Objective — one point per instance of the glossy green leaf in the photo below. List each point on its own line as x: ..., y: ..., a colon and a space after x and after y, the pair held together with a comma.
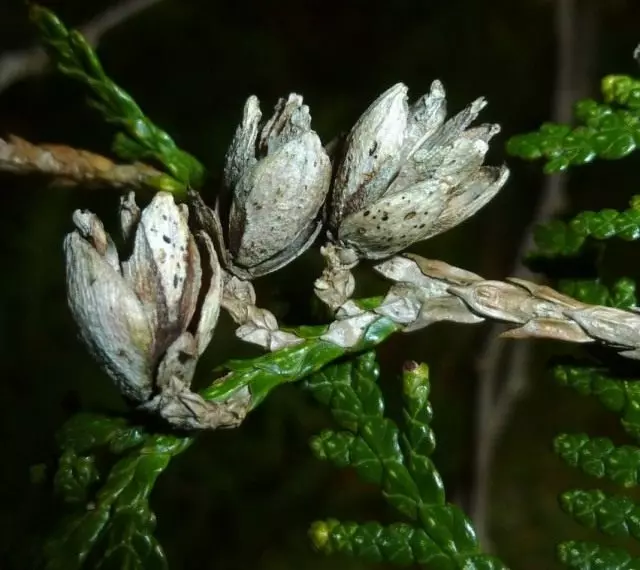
x: 346, y: 450
x: 418, y: 440
x: 113, y: 527
x: 417, y: 408
x: 599, y: 457
x: 264, y: 373
x: 400, y: 544
x: 608, y: 223
x: 79, y: 438
x: 74, y: 476
x: 86, y: 431
x: 558, y: 238
x: 442, y: 536
x: 592, y: 556
x: 131, y: 479
x: 397, y: 543
x: 607, y: 133
x: 621, y: 295
x: 130, y: 543
x: 350, y: 390
x: 621, y: 90
x: 612, y: 515
x: 291, y: 364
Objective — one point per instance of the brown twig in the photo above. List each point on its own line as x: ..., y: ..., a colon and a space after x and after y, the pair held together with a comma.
x: 66, y: 166
x: 18, y: 65
x: 427, y: 291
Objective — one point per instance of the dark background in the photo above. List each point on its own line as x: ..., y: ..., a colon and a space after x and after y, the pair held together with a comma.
x: 245, y: 499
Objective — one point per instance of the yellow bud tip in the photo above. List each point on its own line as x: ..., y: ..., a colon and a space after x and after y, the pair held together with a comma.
x: 319, y: 534
x: 613, y: 84
x: 165, y: 183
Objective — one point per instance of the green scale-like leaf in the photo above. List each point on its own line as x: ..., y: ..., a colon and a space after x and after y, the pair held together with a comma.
x: 418, y: 440
x: 116, y: 504
x: 79, y: 438
x: 264, y: 373
x: 621, y: 396
x: 592, y: 556
x: 558, y: 238
x: 350, y: 390
x: 621, y: 295
x: 113, y: 526
x: 398, y: 461
x: 613, y: 515
x: 397, y: 543
x: 599, y: 457
x: 346, y: 450
x: 622, y: 90
x: 607, y: 132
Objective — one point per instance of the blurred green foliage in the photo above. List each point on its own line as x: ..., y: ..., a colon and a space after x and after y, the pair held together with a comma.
x: 139, y: 139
